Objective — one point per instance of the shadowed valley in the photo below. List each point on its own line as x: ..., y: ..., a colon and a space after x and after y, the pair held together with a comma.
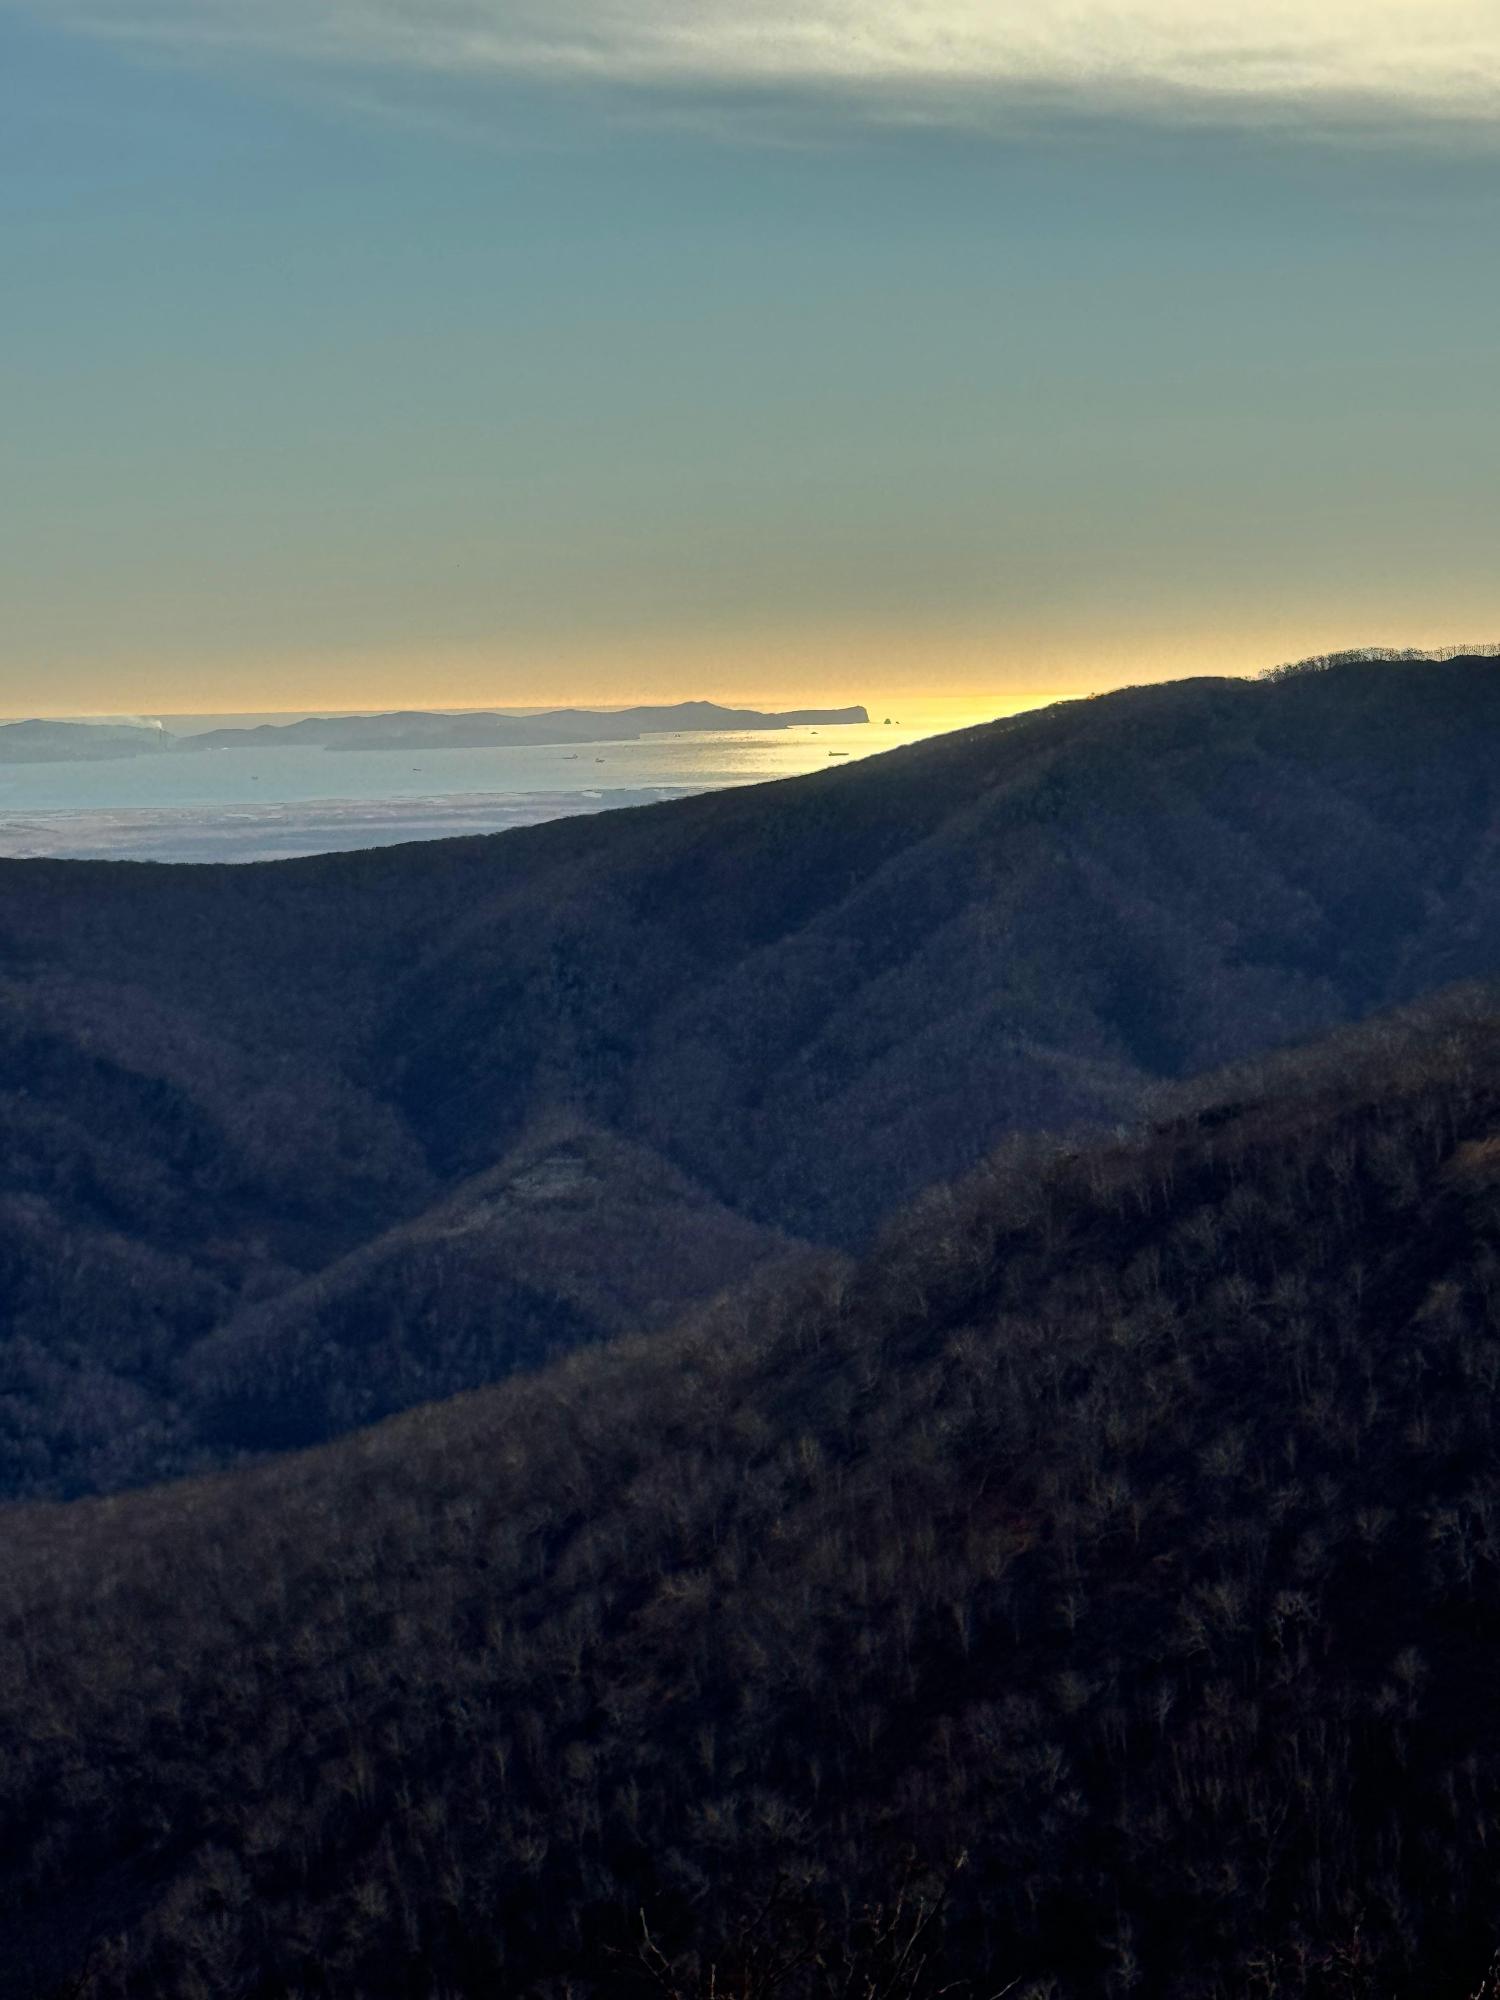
x: 236, y: 1099
x: 1106, y: 1571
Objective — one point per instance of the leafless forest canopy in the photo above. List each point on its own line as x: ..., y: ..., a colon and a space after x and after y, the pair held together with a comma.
x: 946, y: 1321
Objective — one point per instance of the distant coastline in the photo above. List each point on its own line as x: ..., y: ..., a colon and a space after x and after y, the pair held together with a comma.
x: 39, y: 741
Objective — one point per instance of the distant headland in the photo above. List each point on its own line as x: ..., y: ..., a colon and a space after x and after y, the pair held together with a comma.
x: 44, y: 742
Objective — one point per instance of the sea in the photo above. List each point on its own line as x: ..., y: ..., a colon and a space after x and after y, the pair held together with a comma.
x: 276, y: 802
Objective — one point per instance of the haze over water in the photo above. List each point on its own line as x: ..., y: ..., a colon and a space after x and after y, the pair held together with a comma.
x: 261, y: 803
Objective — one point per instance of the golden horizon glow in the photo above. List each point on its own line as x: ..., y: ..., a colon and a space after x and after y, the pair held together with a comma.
x: 857, y: 396
x: 925, y: 672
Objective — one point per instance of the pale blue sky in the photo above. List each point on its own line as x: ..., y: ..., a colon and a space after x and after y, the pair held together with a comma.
x: 399, y: 358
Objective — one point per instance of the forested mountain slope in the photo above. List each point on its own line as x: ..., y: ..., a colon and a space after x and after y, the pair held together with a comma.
x: 810, y: 998
x: 1126, y: 1523
x: 574, y: 1237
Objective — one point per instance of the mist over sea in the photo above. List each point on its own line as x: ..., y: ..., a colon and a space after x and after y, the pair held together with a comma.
x: 269, y: 802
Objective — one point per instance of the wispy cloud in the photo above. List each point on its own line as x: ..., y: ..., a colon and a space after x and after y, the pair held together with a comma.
x: 1427, y: 58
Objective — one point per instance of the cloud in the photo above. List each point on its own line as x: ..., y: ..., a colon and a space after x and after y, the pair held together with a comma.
x: 1429, y: 58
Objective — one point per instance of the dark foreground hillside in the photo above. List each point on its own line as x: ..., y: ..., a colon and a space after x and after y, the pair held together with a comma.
x: 808, y: 1000
x: 1125, y: 1529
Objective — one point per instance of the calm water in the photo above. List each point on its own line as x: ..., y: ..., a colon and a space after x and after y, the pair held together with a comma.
x: 245, y: 805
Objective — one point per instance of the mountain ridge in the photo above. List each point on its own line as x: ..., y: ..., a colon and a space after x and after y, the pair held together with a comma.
x: 417, y: 729
x: 1121, y: 1528
x: 810, y: 998
x: 40, y: 741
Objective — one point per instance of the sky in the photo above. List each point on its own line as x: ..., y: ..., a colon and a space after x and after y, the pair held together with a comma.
x: 456, y: 352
